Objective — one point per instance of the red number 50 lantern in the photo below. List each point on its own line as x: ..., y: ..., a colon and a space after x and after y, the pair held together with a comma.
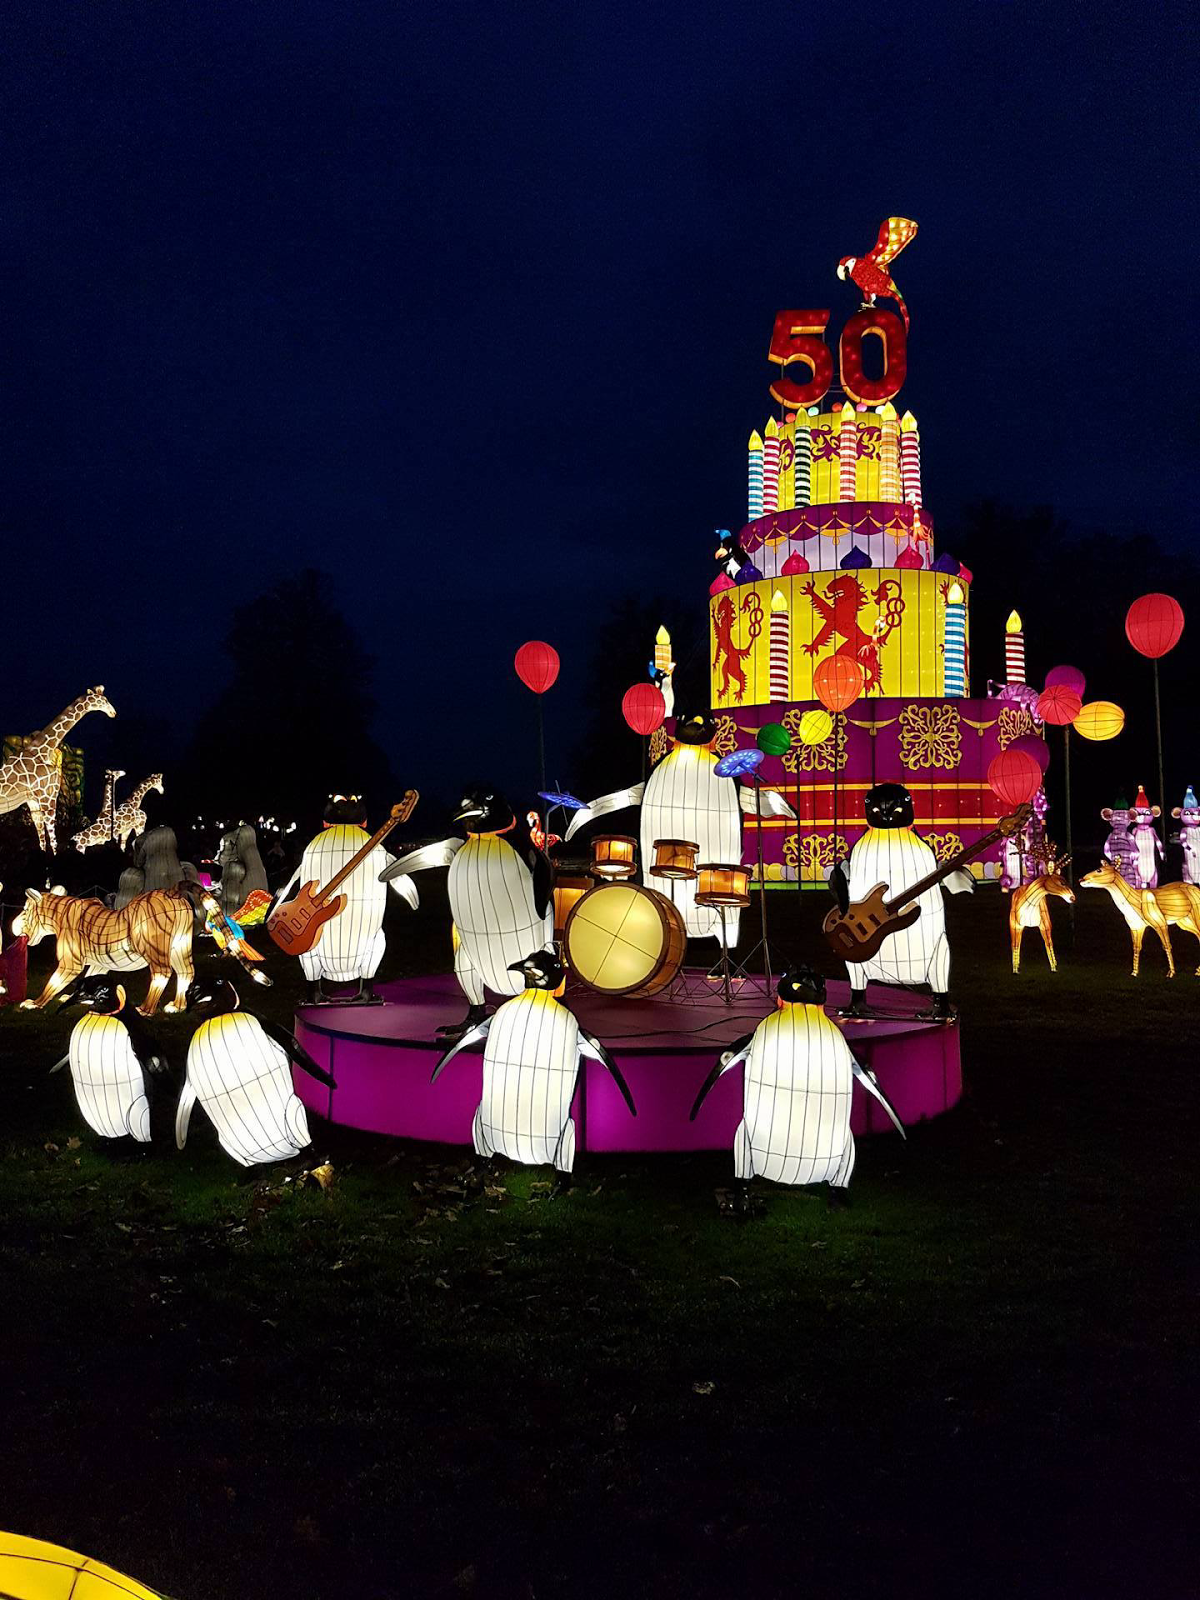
x: 887, y: 327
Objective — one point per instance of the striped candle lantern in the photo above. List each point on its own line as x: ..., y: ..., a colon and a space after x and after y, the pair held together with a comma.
x: 1014, y: 649
x: 771, y: 467
x: 803, y: 491
x: 787, y: 463
x: 847, y: 452
x: 956, y: 642
x: 910, y: 459
x: 889, y: 454
x: 755, y: 470
x: 780, y: 642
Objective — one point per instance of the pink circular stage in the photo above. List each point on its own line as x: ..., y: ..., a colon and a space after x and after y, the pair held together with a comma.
x: 382, y: 1057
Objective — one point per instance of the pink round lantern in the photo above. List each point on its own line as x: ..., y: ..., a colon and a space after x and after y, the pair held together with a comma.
x: 1014, y: 777
x: 1029, y: 744
x: 1070, y: 676
x: 1059, y: 705
x: 1153, y: 624
x: 537, y: 665
x: 644, y: 708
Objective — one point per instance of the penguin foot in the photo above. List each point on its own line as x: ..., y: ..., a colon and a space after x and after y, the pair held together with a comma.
x: 455, y: 1030
x: 312, y: 992
x: 940, y: 1011
x: 837, y: 1199
x: 563, y: 1183
x: 858, y: 1009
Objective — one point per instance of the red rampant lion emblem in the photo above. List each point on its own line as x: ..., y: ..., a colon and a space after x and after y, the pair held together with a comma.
x: 839, y: 609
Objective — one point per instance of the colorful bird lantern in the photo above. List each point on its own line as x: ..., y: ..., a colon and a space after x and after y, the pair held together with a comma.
x: 644, y: 708
x: 1070, y: 677
x: 1153, y: 624
x: 1100, y: 720
x: 815, y: 727
x: 774, y: 739
x: 537, y: 665
x: 1014, y: 777
x: 1058, y: 705
x: 838, y: 682
x: 1033, y: 746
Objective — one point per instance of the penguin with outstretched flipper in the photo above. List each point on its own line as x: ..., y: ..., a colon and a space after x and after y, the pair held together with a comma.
x: 239, y: 1069
x: 110, y: 1054
x: 533, y: 1054
x: 500, y: 898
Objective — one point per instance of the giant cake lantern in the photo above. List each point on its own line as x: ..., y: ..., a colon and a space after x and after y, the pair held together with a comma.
x: 838, y: 567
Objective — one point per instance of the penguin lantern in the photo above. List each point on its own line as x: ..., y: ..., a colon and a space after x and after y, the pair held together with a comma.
x: 499, y: 898
x: 352, y: 943
x: 239, y: 1069
x: 683, y: 798
x: 109, y: 1055
x: 799, y: 1081
x: 532, y: 1059
x: 889, y: 852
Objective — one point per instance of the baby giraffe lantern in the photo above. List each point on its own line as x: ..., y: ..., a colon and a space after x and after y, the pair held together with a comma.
x: 1030, y: 908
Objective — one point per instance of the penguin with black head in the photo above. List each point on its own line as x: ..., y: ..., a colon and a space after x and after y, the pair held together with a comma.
x: 110, y: 1055
x: 797, y: 1088
x: 500, y: 898
x: 239, y: 1069
x: 891, y: 853
x: 534, y: 1051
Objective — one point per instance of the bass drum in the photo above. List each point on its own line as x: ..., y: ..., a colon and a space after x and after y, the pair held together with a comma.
x: 624, y: 939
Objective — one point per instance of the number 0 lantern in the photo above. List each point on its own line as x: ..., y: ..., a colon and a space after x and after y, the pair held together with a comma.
x: 644, y: 708
x: 1100, y: 720
x: 1014, y: 777
x: 1153, y: 624
x: 537, y: 665
x: 838, y: 682
x: 1059, y: 705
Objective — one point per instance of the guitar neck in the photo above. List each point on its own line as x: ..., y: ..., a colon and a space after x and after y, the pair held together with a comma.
x: 947, y: 867
x: 401, y: 814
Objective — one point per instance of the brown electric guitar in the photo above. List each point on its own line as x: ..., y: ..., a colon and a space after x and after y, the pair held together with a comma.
x: 296, y: 926
x: 857, y: 933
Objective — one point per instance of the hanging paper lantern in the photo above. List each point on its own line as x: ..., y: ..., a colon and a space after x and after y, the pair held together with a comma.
x: 644, y: 708
x: 1058, y: 705
x: 1100, y: 720
x: 774, y: 739
x: 1071, y: 677
x: 815, y: 727
x: 1014, y: 777
x: 1031, y: 745
x: 838, y: 682
x: 537, y: 665
x: 793, y: 566
x: 1153, y: 624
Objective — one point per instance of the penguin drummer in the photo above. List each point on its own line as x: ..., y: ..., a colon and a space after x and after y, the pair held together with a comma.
x: 533, y: 1054
x: 499, y: 898
x: 239, y: 1069
x: 110, y: 1054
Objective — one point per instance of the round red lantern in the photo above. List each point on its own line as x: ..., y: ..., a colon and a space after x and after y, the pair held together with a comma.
x: 1059, y: 705
x: 1031, y: 745
x: 838, y: 682
x: 537, y: 665
x: 1014, y: 777
x: 1070, y: 677
x: 644, y: 708
x: 1153, y: 624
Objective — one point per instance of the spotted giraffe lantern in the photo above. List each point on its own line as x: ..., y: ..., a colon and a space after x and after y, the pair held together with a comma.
x: 33, y: 777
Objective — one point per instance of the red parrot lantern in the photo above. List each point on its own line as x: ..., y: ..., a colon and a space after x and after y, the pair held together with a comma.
x: 870, y: 273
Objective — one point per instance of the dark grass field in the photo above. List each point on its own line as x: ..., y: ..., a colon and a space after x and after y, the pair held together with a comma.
x: 978, y: 1381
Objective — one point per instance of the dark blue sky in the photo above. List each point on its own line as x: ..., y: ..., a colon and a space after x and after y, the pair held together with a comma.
x: 471, y: 303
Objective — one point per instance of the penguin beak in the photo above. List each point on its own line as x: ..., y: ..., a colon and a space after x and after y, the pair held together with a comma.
x: 471, y: 811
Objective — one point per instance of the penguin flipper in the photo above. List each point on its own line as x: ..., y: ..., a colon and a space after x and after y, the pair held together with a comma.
x: 148, y: 1058
x: 839, y: 883
x: 593, y: 1048
x: 871, y: 1084
x: 772, y: 802
x: 543, y: 876
x: 738, y: 1051
x: 616, y: 801
x: 183, y: 1115
x: 59, y: 1065
x: 425, y: 856
x: 475, y: 1035
x: 295, y: 1052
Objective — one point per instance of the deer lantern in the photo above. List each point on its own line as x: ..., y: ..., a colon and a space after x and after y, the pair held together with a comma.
x: 1170, y: 903
x: 1030, y: 907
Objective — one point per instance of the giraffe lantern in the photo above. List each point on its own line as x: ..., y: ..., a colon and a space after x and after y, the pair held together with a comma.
x: 33, y: 777
x: 130, y: 820
x: 101, y: 831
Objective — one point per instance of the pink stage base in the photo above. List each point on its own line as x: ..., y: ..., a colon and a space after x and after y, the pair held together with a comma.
x: 382, y: 1058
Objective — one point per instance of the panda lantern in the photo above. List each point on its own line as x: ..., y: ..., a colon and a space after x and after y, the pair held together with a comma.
x: 799, y: 1081
x: 683, y: 798
x: 890, y: 853
x: 533, y: 1054
x: 499, y: 899
x: 239, y: 1069
x: 109, y: 1055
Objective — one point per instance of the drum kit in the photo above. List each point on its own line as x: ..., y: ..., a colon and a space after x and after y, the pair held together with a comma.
x: 624, y: 938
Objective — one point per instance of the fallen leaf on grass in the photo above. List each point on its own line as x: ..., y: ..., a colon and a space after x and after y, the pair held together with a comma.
x: 705, y: 1386
x: 725, y: 1278
x: 321, y: 1177
x: 74, y: 1144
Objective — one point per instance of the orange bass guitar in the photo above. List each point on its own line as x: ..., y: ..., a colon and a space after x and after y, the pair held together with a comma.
x: 296, y: 927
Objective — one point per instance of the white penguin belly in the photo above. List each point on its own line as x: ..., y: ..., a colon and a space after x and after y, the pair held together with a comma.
x: 918, y: 954
x: 110, y: 1087
x: 530, y: 1067
x: 798, y: 1090
x: 684, y: 799
x: 351, y: 944
x: 491, y: 901
x: 243, y: 1081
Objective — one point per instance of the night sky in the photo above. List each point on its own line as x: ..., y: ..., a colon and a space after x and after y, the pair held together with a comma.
x: 470, y: 305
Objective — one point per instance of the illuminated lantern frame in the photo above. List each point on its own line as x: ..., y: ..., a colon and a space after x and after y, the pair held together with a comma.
x: 674, y: 859
x: 614, y: 856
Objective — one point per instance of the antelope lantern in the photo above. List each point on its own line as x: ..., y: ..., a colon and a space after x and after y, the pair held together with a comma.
x: 1177, y: 903
x: 1030, y: 908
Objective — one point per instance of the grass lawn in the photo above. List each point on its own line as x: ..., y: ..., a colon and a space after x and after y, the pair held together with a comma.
x: 977, y: 1381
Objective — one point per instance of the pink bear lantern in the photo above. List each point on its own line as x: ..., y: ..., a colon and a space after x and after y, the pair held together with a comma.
x: 1119, y: 847
x: 1146, y: 840
x: 1189, y: 835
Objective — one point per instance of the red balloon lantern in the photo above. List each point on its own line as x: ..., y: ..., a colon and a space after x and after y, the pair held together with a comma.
x: 1014, y: 777
x: 1153, y: 624
x: 838, y: 682
x: 537, y: 665
x: 1032, y: 746
x: 1070, y: 677
x: 644, y: 708
x: 1059, y: 705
